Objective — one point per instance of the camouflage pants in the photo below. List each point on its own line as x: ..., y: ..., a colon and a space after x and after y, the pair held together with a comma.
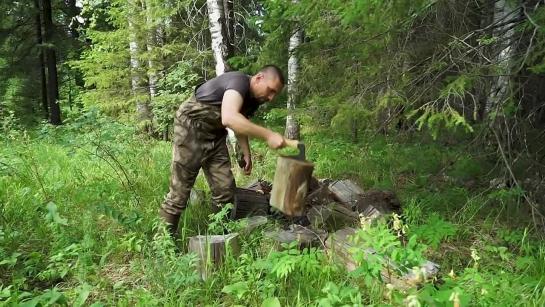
x: 199, y: 142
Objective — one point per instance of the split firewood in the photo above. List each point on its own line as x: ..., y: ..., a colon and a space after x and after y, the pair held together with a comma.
x: 306, y: 237
x: 374, y: 204
x: 341, y: 247
x: 319, y: 196
x: 346, y: 192
x: 251, y: 223
x: 290, y: 185
x: 333, y: 216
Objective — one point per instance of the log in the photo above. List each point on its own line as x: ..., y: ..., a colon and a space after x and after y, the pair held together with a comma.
x: 249, y: 203
x: 333, y: 216
x: 249, y: 224
x: 212, y: 250
x: 346, y: 192
x: 290, y: 185
x: 342, y: 247
x: 306, y: 237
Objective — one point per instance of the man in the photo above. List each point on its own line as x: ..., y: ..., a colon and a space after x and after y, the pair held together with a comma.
x: 223, y: 102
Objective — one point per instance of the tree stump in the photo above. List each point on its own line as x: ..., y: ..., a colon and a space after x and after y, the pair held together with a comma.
x: 212, y: 250
x: 290, y: 185
x: 249, y: 203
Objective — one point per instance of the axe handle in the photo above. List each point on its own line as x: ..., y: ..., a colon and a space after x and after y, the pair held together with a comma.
x: 291, y: 143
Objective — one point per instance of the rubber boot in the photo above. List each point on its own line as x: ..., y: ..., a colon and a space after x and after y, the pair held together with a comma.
x: 171, y: 222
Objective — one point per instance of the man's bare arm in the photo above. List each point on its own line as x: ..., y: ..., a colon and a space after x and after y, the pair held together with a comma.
x: 231, y: 118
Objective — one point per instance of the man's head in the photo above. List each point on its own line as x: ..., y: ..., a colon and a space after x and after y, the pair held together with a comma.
x: 267, y: 83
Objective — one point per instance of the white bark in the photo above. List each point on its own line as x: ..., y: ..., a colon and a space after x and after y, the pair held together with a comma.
x: 150, y: 44
x: 217, y: 30
x: 292, y: 126
x: 216, y: 16
x: 503, y: 13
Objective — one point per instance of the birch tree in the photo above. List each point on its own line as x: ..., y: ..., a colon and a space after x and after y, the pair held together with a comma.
x: 292, y: 126
x: 217, y: 12
x: 505, y: 15
x: 222, y: 47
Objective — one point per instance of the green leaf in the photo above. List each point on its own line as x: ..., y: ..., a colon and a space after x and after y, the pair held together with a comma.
x: 84, y: 292
x: 53, y: 215
x: 271, y: 302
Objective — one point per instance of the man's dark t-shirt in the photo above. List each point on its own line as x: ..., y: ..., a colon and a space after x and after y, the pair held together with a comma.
x: 212, y: 91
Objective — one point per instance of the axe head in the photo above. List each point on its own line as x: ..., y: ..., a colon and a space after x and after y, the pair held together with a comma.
x: 301, y: 156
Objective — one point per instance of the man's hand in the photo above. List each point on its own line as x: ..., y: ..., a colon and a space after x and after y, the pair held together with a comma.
x: 275, y: 140
x: 247, y: 169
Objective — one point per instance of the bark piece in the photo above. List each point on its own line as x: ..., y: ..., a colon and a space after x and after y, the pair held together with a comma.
x: 319, y: 196
x: 290, y: 185
x: 374, y: 204
x: 333, y: 216
x: 212, y: 250
x: 346, y: 192
x: 249, y: 203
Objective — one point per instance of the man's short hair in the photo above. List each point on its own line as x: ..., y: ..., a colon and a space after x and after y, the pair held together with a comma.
x: 275, y: 70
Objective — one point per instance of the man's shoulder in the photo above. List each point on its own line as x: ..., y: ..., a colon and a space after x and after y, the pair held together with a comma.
x: 235, y: 74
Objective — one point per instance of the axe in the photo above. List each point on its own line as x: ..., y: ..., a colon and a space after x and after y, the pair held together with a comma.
x: 299, y: 145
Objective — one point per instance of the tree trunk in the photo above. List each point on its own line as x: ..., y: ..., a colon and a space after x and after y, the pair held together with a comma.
x: 71, y: 12
x: 218, y: 32
x: 221, y: 46
x: 503, y: 14
x: 138, y: 79
x: 151, y: 42
x: 292, y: 126
x: 52, y: 81
x: 41, y: 56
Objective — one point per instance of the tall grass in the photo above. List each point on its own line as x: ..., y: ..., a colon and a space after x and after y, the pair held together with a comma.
x: 79, y: 225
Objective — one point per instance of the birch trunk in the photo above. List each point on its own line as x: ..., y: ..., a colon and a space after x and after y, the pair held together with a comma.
x: 218, y: 32
x: 151, y: 42
x: 292, y: 126
x: 218, y: 14
x: 503, y: 14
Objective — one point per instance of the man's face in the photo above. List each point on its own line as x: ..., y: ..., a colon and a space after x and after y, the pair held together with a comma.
x: 267, y: 86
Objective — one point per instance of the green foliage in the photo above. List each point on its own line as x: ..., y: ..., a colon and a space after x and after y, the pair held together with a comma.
x: 434, y: 231
x: 94, y: 229
x: 173, y: 89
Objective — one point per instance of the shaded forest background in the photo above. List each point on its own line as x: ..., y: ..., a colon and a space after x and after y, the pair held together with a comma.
x: 441, y: 85
x: 466, y: 69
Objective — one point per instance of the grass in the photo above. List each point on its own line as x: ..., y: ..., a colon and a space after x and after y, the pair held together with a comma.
x: 79, y: 226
